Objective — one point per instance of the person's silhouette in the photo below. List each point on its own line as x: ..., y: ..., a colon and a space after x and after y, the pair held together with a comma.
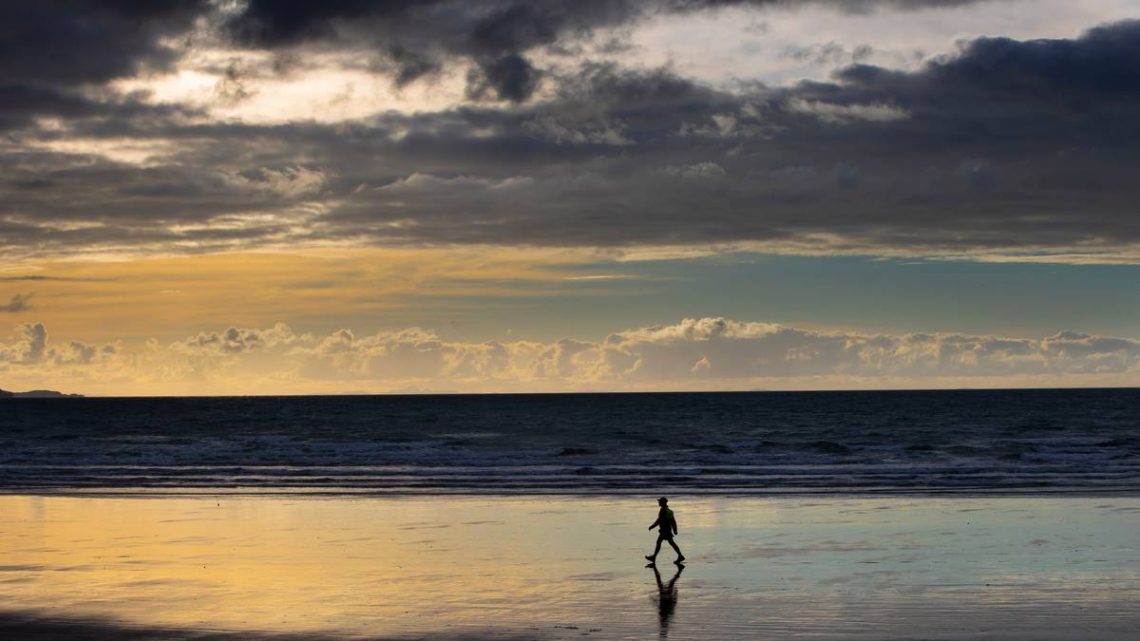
x: 666, y: 598
x: 667, y: 529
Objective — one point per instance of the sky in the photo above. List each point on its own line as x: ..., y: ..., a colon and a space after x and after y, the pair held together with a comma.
x: 278, y: 197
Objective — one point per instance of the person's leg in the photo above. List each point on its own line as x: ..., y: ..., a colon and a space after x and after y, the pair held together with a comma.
x: 653, y: 557
x: 680, y: 557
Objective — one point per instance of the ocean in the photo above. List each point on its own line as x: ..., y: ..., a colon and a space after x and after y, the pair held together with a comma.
x: 1004, y: 442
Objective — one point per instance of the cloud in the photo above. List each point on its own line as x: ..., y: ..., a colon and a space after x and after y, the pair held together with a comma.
x: 56, y: 52
x: 416, y: 38
x: 29, y: 351
x: 720, y: 348
x: 287, y: 182
x: 23, y: 106
x: 60, y: 279
x: 703, y: 353
x: 1004, y: 146
x: 77, y: 42
x: 831, y: 53
x: 18, y: 303
x: 1002, y: 149
x: 510, y: 77
x: 236, y: 340
x: 29, y: 346
x: 839, y: 114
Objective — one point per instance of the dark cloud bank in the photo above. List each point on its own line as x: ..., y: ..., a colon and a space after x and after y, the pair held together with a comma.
x: 49, y: 50
x: 1003, y: 146
x: 417, y: 37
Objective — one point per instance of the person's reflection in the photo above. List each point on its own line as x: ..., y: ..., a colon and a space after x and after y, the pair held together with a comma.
x: 666, y: 597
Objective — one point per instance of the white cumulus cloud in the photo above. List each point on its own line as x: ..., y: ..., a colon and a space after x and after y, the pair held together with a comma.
x: 696, y: 353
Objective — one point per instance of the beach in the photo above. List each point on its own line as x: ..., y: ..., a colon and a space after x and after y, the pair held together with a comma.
x: 436, y: 567
x: 363, y: 320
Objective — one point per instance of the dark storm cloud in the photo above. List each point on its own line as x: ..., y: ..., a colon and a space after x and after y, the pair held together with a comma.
x: 67, y: 44
x: 1002, y: 146
x: 74, y: 42
x: 417, y: 36
x: 487, y: 27
x: 51, y: 51
x: 511, y: 77
x: 21, y: 105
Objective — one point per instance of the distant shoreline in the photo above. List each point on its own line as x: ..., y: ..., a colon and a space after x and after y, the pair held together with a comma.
x: 399, y: 394
x: 37, y: 393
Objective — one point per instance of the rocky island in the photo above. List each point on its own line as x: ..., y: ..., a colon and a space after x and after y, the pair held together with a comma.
x: 37, y: 393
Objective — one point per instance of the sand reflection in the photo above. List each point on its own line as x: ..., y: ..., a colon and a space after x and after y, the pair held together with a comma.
x: 360, y: 567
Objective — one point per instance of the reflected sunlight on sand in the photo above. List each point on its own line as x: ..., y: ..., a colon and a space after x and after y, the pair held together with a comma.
x: 565, y: 567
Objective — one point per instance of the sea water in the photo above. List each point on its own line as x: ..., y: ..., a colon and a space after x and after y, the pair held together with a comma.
x: 1008, y: 441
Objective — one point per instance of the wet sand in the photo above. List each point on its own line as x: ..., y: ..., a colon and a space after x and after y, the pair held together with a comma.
x: 561, y: 568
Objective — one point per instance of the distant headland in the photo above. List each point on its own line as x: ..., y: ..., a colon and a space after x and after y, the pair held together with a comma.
x: 37, y: 393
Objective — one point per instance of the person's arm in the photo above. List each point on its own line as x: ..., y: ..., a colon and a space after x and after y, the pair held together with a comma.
x: 660, y: 520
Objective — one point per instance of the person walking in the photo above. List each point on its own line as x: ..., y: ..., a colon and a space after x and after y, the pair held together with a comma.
x: 667, y: 529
